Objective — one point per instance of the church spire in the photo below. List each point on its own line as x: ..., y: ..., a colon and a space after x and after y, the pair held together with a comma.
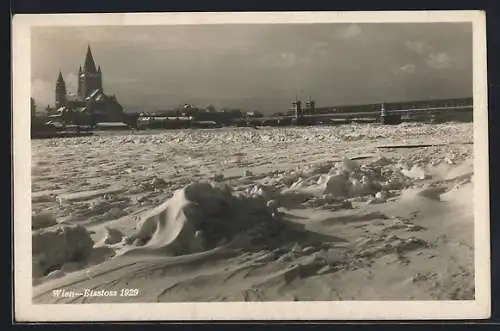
x: 60, y: 77
x: 89, y: 65
x: 60, y: 91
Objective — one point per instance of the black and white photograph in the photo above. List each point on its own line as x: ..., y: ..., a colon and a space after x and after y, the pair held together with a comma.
x: 210, y: 162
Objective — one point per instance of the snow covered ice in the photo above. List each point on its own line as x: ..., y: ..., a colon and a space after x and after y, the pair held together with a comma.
x: 305, y: 213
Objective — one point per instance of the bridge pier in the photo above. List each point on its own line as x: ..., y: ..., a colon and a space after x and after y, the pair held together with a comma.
x: 389, y: 119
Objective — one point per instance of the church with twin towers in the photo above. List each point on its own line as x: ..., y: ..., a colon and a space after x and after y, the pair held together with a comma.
x: 90, y: 96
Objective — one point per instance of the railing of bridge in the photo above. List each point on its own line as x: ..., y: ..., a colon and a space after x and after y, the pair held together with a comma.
x: 427, y: 109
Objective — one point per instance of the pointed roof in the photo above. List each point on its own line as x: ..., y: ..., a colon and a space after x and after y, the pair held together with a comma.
x: 80, y: 69
x: 89, y: 65
x: 60, y: 78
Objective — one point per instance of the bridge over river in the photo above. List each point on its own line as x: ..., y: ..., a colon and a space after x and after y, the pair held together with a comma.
x: 455, y: 112
x: 390, y: 116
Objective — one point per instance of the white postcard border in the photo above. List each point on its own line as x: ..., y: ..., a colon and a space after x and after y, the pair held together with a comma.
x: 25, y: 310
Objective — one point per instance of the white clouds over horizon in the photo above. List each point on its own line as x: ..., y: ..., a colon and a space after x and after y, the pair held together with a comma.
x: 434, y: 59
x: 440, y: 60
x: 245, y: 65
x: 408, y: 69
x: 419, y: 47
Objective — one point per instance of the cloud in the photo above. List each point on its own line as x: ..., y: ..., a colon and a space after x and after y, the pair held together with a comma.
x: 351, y: 31
x: 418, y: 47
x: 42, y: 91
x: 440, y: 60
x: 408, y: 69
x: 71, y: 80
x: 433, y: 59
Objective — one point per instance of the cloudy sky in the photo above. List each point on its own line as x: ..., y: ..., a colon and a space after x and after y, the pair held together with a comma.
x: 260, y: 67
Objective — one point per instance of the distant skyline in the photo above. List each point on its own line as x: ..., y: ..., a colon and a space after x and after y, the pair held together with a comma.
x: 259, y: 66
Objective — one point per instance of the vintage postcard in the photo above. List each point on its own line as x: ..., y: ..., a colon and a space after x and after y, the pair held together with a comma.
x: 251, y: 166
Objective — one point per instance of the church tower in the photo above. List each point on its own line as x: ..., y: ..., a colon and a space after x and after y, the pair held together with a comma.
x: 60, y: 91
x: 90, y: 77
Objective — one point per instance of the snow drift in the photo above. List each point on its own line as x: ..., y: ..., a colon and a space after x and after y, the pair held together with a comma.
x: 198, y: 217
x: 57, y: 245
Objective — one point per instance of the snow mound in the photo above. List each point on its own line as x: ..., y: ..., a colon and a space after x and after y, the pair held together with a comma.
x: 57, y: 245
x: 196, y: 218
x: 348, y: 180
x: 39, y: 221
